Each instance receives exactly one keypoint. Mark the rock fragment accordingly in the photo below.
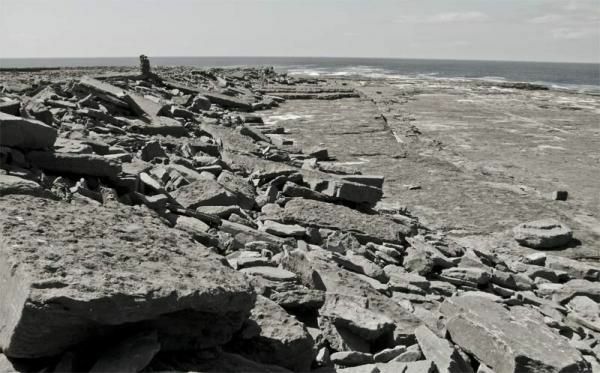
(543, 234)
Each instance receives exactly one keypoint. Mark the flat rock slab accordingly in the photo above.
(543, 234)
(367, 228)
(509, 341)
(24, 133)
(69, 272)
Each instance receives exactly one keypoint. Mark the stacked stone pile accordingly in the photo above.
(157, 224)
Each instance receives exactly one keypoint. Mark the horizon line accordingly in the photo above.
(308, 57)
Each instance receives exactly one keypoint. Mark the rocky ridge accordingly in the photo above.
(154, 222)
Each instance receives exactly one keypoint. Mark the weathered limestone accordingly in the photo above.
(272, 336)
(508, 341)
(441, 352)
(10, 184)
(365, 227)
(24, 133)
(79, 164)
(70, 273)
(543, 234)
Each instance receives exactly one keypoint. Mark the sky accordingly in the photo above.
(518, 30)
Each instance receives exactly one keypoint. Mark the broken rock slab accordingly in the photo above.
(444, 355)
(543, 234)
(367, 228)
(71, 272)
(24, 133)
(272, 336)
(79, 164)
(509, 341)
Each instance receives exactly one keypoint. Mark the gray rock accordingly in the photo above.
(412, 353)
(271, 273)
(240, 187)
(77, 275)
(302, 299)
(444, 355)
(281, 339)
(365, 228)
(283, 230)
(508, 341)
(10, 184)
(153, 150)
(340, 338)
(424, 366)
(79, 164)
(542, 234)
(24, 133)
(351, 358)
(243, 235)
(367, 368)
(388, 354)
(575, 268)
(360, 264)
(341, 242)
(375, 181)
(128, 356)
(204, 192)
(350, 301)
(466, 276)
(323, 357)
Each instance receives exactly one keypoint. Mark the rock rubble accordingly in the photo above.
(148, 223)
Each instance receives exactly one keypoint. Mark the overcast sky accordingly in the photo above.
(530, 30)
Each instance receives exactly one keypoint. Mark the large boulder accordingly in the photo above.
(24, 133)
(543, 234)
(373, 228)
(70, 272)
(272, 336)
(509, 341)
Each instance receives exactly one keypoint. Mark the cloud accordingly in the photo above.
(547, 18)
(566, 33)
(468, 16)
(458, 17)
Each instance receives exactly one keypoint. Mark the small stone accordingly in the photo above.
(560, 195)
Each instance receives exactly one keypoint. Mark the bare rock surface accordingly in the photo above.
(69, 271)
(143, 213)
(509, 341)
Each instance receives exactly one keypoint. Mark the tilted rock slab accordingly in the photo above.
(272, 336)
(69, 272)
(509, 341)
(24, 133)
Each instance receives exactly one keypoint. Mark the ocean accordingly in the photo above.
(583, 77)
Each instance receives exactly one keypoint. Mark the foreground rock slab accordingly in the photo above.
(509, 341)
(71, 272)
